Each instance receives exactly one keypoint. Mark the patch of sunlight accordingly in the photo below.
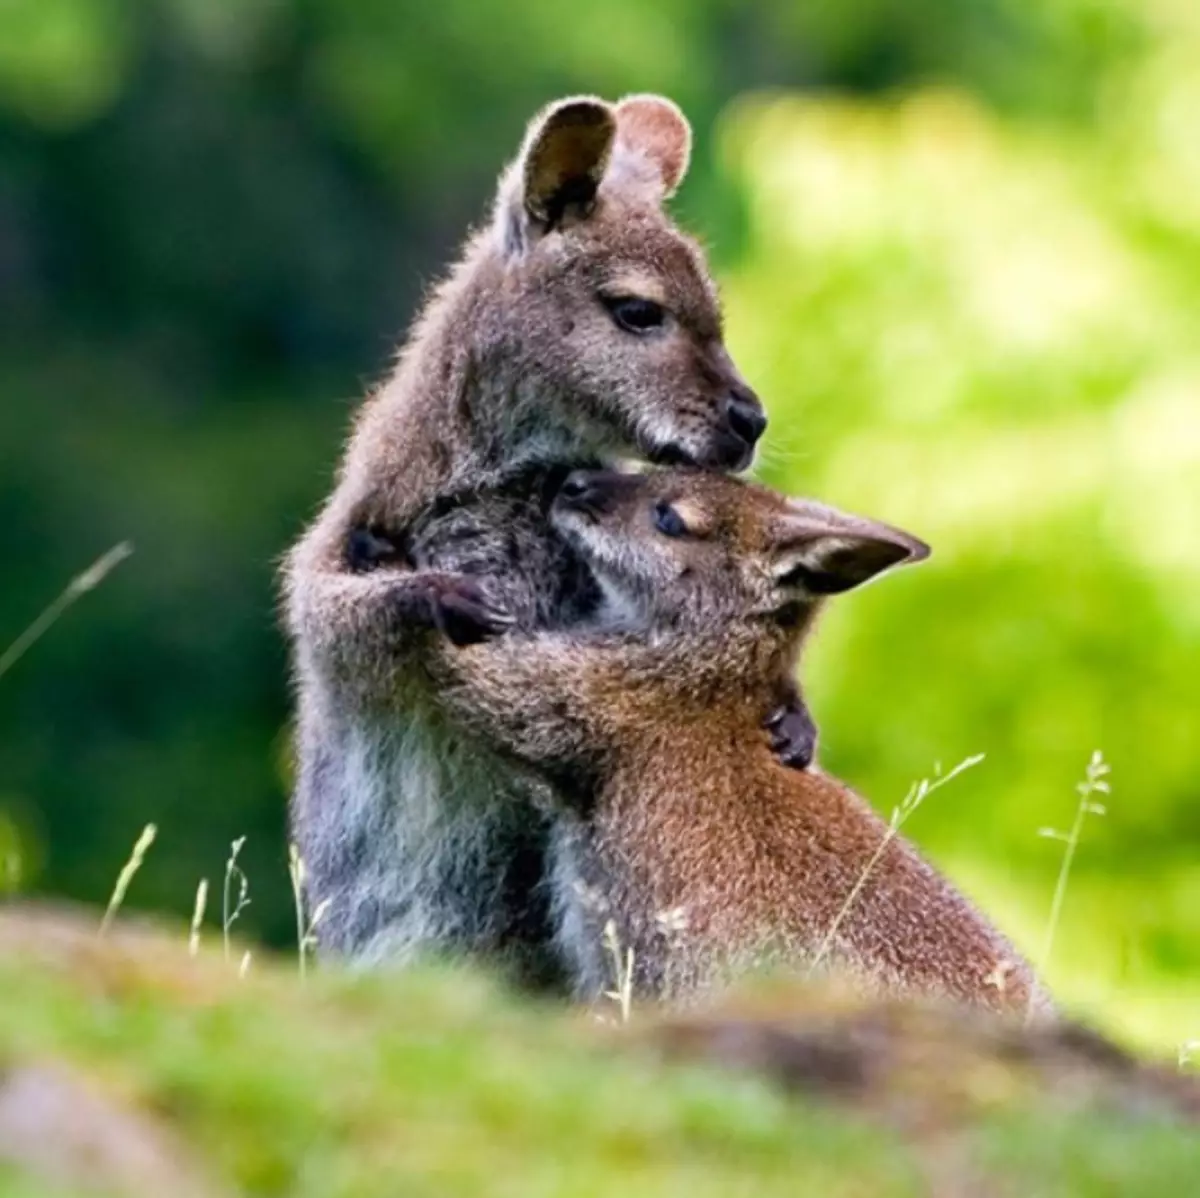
(1177, 20)
(982, 481)
(1155, 1013)
(1157, 116)
(1006, 218)
(63, 62)
(1035, 286)
(1156, 491)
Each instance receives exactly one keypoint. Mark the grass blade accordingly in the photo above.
(91, 578)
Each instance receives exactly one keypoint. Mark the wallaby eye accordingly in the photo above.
(634, 314)
(668, 521)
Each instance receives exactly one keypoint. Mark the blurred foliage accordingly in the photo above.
(987, 331)
(960, 240)
(438, 1082)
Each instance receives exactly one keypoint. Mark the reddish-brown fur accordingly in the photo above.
(705, 853)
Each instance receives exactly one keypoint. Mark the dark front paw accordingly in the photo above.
(793, 734)
(465, 614)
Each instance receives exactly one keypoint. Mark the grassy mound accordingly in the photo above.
(124, 1061)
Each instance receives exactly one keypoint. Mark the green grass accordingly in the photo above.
(438, 1082)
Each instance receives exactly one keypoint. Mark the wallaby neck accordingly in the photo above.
(705, 687)
(475, 390)
(715, 662)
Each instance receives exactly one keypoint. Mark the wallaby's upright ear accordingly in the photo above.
(823, 551)
(654, 145)
(564, 157)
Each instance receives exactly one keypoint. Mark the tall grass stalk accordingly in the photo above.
(231, 908)
(306, 929)
(197, 917)
(622, 992)
(917, 794)
(126, 876)
(1095, 782)
(91, 578)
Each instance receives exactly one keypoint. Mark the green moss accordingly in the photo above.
(438, 1082)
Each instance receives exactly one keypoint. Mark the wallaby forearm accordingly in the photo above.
(528, 696)
(360, 624)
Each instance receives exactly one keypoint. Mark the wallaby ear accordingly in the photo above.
(564, 157)
(654, 146)
(824, 552)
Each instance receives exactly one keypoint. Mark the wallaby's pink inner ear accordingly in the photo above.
(654, 144)
(565, 156)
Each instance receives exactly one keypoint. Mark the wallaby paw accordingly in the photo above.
(465, 614)
(793, 735)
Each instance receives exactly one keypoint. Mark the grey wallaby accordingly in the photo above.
(579, 324)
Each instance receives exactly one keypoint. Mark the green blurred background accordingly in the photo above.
(960, 245)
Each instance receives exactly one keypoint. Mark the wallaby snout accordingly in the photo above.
(746, 422)
(739, 419)
(736, 424)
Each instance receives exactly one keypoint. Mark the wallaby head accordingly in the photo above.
(606, 309)
(692, 548)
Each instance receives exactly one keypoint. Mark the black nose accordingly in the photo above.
(746, 418)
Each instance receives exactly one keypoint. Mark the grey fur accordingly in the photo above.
(419, 839)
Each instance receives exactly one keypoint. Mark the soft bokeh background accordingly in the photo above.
(960, 244)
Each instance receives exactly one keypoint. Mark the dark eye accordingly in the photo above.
(668, 521)
(636, 315)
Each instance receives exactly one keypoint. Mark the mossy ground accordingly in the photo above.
(438, 1082)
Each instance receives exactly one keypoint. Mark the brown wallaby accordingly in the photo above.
(578, 324)
(701, 849)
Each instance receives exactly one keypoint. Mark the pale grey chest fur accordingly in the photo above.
(420, 839)
(412, 838)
